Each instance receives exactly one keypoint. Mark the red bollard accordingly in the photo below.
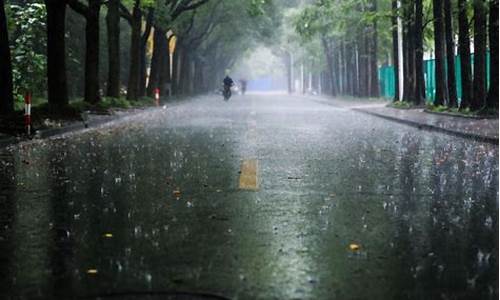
(157, 96)
(27, 112)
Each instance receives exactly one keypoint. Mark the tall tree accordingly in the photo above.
(373, 47)
(137, 78)
(160, 53)
(450, 54)
(6, 99)
(135, 21)
(57, 83)
(173, 10)
(419, 54)
(480, 39)
(91, 13)
(409, 50)
(395, 47)
(164, 69)
(440, 52)
(143, 61)
(464, 53)
(492, 101)
(114, 61)
(330, 65)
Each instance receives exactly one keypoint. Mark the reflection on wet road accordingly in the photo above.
(155, 205)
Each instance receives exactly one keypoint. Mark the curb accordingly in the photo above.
(460, 116)
(476, 137)
(47, 133)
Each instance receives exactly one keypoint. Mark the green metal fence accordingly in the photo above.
(387, 79)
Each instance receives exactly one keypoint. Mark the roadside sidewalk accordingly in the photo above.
(93, 121)
(483, 130)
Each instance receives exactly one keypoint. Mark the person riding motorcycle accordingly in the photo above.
(228, 83)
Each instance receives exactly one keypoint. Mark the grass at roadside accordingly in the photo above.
(454, 110)
(402, 105)
(464, 112)
(108, 103)
(78, 105)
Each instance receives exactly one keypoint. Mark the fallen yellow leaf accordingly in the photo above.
(354, 247)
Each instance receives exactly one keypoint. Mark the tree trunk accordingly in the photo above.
(352, 69)
(450, 54)
(198, 79)
(330, 64)
(412, 54)
(143, 75)
(373, 38)
(164, 77)
(419, 54)
(492, 101)
(288, 63)
(143, 72)
(340, 68)
(362, 65)
(185, 73)
(366, 64)
(441, 86)
(159, 54)
(345, 73)
(135, 53)
(57, 85)
(113, 25)
(479, 55)
(192, 76)
(6, 97)
(357, 77)
(464, 52)
(395, 47)
(92, 53)
(408, 56)
(176, 69)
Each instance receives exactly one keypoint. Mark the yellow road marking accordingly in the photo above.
(249, 175)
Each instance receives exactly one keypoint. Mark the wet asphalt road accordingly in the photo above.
(341, 205)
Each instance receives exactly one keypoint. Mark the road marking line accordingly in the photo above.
(249, 175)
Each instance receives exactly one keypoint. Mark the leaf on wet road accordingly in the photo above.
(354, 247)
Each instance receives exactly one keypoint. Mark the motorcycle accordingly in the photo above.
(226, 92)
